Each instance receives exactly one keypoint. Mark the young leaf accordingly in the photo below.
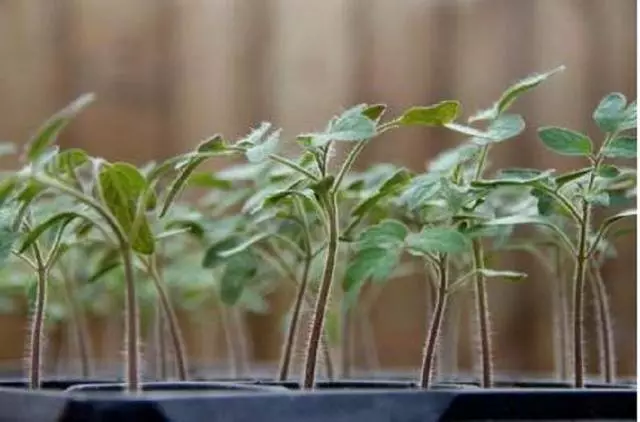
(435, 115)
(243, 246)
(375, 112)
(212, 256)
(121, 186)
(261, 151)
(608, 171)
(606, 224)
(622, 147)
(565, 141)
(352, 125)
(563, 179)
(610, 112)
(420, 190)
(522, 86)
(437, 239)
(630, 120)
(505, 127)
(59, 220)
(7, 238)
(397, 180)
(48, 133)
(375, 263)
(386, 234)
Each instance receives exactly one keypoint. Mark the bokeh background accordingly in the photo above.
(168, 73)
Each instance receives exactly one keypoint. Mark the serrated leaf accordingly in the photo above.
(564, 141)
(522, 86)
(434, 115)
(622, 147)
(610, 112)
(121, 187)
(437, 239)
(48, 133)
(387, 234)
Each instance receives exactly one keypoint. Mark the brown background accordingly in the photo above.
(167, 73)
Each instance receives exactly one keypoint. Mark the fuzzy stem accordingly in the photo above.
(563, 357)
(37, 328)
(326, 354)
(323, 295)
(604, 327)
(171, 319)
(436, 323)
(132, 325)
(292, 329)
(482, 309)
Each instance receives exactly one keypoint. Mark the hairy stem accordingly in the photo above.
(292, 328)
(323, 296)
(436, 323)
(132, 325)
(563, 356)
(37, 330)
(169, 313)
(604, 326)
(482, 309)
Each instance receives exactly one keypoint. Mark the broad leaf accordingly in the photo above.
(630, 120)
(386, 234)
(261, 151)
(395, 182)
(501, 129)
(212, 256)
(240, 269)
(420, 190)
(121, 187)
(608, 171)
(622, 147)
(565, 141)
(610, 112)
(435, 115)
(437, 239)
(375, 112)
(351, 126)
(48, 133)
(375, 263)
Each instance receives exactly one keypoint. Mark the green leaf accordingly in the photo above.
(208, 180)
(59, 220)
(212, 256)
(622, 147)
(453, 157)
(435, 115)
(7, 238)
(608, 171)
(375, 263)
(420, 190)
(48, 133)
(351, 126)
(387, 234)
(213, 144)
(395, 182)
(437, 239)
(261, 151)
(565, 141)
(239, 271)
(610, 112)
(563, 179)
(505, 127)
(607, 223)
(630, 120)
(242, 246)
(375, 112)
(514, 177)
(522, 86)
(121, 187)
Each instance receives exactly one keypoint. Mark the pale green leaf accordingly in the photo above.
(610, 112)
(437, 239)
(622, 147)
(565, 141)
(435, 115)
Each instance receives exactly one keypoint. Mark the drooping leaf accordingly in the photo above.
(622, 147)
(434, 115)
(121, 187)
(565, 141)
(437, 239)
(48, 133)
(610, 112)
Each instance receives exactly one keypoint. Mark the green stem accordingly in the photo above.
(171, 318)
(562, 318)
(436, 323)
(323, 296)
(37, 329)
(161, 349)
(603, 318)
(132, 324)
(78, 323)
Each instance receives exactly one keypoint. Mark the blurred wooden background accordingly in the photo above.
(168, 73)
